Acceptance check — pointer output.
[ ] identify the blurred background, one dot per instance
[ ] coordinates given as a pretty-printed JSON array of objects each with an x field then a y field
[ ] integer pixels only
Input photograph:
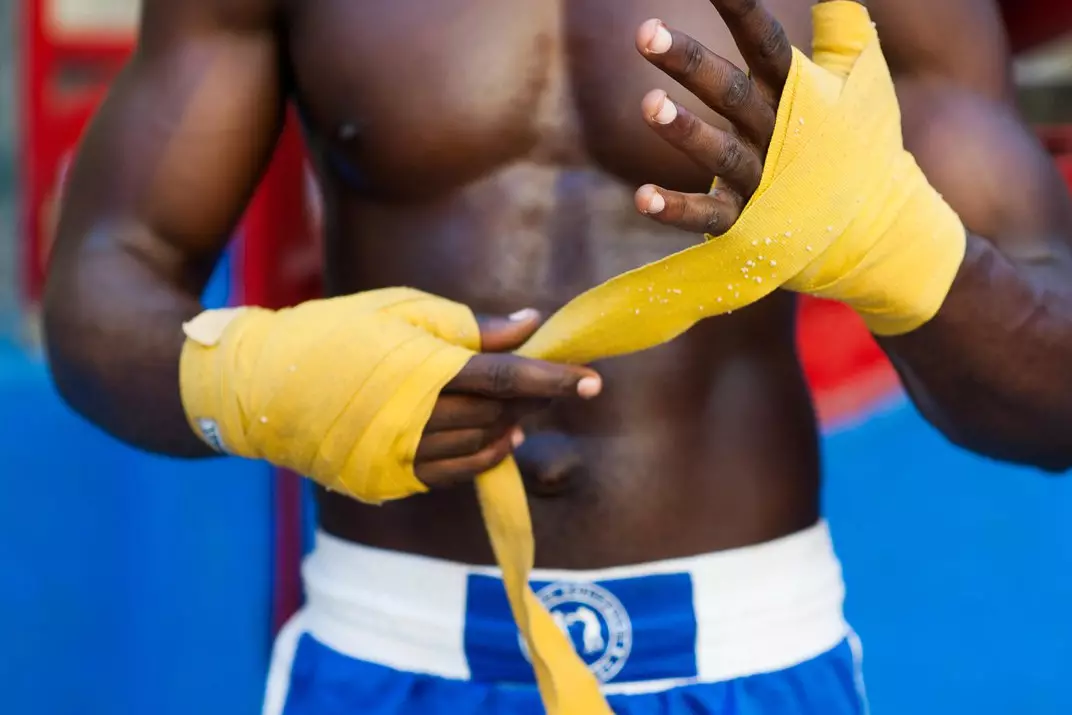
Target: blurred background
[{"x": 132, "y": 585}]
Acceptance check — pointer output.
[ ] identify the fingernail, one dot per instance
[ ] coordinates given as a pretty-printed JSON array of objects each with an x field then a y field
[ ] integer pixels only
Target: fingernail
[
  {"x": 589, "y": 387},
  {"x": 661, "y": 41},
  {"x": 656, "y": 203},
  {"x": 525, "y": 314},
  {"x": 517, "y": 438},
  {"x": 667, "y": 111}
]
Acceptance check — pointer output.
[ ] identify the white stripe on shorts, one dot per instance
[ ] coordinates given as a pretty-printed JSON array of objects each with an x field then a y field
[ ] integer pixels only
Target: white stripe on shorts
[{"x": 758, "y": 609}]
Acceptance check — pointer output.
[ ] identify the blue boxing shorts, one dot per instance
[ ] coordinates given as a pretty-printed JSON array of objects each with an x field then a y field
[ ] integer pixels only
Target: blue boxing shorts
[{"x": 751, "y": 631}]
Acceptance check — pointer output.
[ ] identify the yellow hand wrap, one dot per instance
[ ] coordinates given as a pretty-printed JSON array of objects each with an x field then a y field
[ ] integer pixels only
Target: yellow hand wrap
[
  {"x": 339, "y": 390},
  {"x": 843, "y": 212}
]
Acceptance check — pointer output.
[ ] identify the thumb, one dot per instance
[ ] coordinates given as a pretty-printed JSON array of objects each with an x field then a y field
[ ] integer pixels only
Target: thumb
[
  {"x": 843, "y": 28},
  {"x": 501, "y": 334}
]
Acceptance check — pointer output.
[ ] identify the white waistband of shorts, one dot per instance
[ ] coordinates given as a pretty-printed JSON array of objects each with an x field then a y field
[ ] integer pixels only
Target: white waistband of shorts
[{"x": 758, "y": 609}]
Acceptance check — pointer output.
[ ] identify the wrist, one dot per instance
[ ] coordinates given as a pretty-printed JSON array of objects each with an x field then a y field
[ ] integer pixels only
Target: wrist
[
  {"x": 918, "y": 260},
  {"x": 897, "y": 258},
  {"x": 213, "y": 357}
]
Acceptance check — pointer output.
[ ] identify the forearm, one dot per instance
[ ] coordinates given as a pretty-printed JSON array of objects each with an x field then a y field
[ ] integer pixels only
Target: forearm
[
  {"x": 993, "y": 369},
  {"x": 113, "y": 336}
]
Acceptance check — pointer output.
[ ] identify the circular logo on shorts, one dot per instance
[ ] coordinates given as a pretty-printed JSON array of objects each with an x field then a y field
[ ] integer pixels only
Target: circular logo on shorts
[{"x": 594, "y": 620}]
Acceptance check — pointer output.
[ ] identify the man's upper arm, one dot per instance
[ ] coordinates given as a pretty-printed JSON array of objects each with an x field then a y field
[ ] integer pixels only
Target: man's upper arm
[
  {"x": 951, "y": 66},
  {"x": 179, "y": 145},
  {"x": 959, "y": 41}
]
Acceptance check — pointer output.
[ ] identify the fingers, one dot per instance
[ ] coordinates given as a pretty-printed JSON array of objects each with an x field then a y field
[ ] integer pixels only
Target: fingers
[
  {"x": 455, "y": 412},
  {"x": 467, "y": 435},
  {"x": 711, "y": 213},
  {"x": 473, "y": 426},
  {"x": 511, "y": 377},
  {"x": 449, "y": 472},
  {"x": 842, "y": 31},
  {"x": 718, "y": 151},
  {"x": 715, "y": 81},
  {"x": 436, "y": 446},
  {"x": 737, "y": 162},
  {"x": 760, "y": 38},
  {"x": 499, "y": 334}
]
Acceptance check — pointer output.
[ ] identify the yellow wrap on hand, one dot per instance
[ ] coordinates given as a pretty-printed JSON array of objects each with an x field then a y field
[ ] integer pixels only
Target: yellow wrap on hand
[
  {"x": 842, "y": 211},
  {"x": 338, "y": 390}
]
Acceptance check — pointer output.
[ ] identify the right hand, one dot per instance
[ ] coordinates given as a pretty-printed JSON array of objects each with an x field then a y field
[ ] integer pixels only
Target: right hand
[{"x": 474, "y": 425}]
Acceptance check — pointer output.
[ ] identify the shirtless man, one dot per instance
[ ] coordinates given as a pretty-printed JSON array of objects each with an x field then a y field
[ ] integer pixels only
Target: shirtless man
[{"x": 492, "y": 158}]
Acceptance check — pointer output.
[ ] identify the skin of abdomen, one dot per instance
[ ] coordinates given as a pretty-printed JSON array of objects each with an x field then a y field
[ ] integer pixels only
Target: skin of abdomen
[{"x": 490, "y": 154}]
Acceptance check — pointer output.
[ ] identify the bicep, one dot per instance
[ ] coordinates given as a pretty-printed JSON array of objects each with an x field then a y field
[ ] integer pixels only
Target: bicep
[
  {"x": 962, "y": 41},
  {"x": 178, "y": 146},
  {"x": 950, "y": 62}
]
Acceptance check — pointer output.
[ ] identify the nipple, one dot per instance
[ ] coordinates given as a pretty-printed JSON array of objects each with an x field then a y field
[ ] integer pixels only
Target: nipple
[{"x": 551, "y": 463}]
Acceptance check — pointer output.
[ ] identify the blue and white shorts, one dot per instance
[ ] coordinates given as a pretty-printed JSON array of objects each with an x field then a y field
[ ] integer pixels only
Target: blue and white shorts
[{"x": 752, "y": 631}]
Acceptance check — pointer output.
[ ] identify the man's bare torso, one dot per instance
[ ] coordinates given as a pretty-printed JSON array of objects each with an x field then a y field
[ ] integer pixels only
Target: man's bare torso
[{"x": 488, "y": 152}]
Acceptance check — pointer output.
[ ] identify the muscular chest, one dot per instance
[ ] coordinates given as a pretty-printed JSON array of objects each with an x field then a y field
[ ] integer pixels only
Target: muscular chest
[{"x": 448, "y": 90}]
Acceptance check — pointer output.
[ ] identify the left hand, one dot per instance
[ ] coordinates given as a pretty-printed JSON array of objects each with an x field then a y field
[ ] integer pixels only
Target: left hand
[{"x": 749, "y": 103}]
